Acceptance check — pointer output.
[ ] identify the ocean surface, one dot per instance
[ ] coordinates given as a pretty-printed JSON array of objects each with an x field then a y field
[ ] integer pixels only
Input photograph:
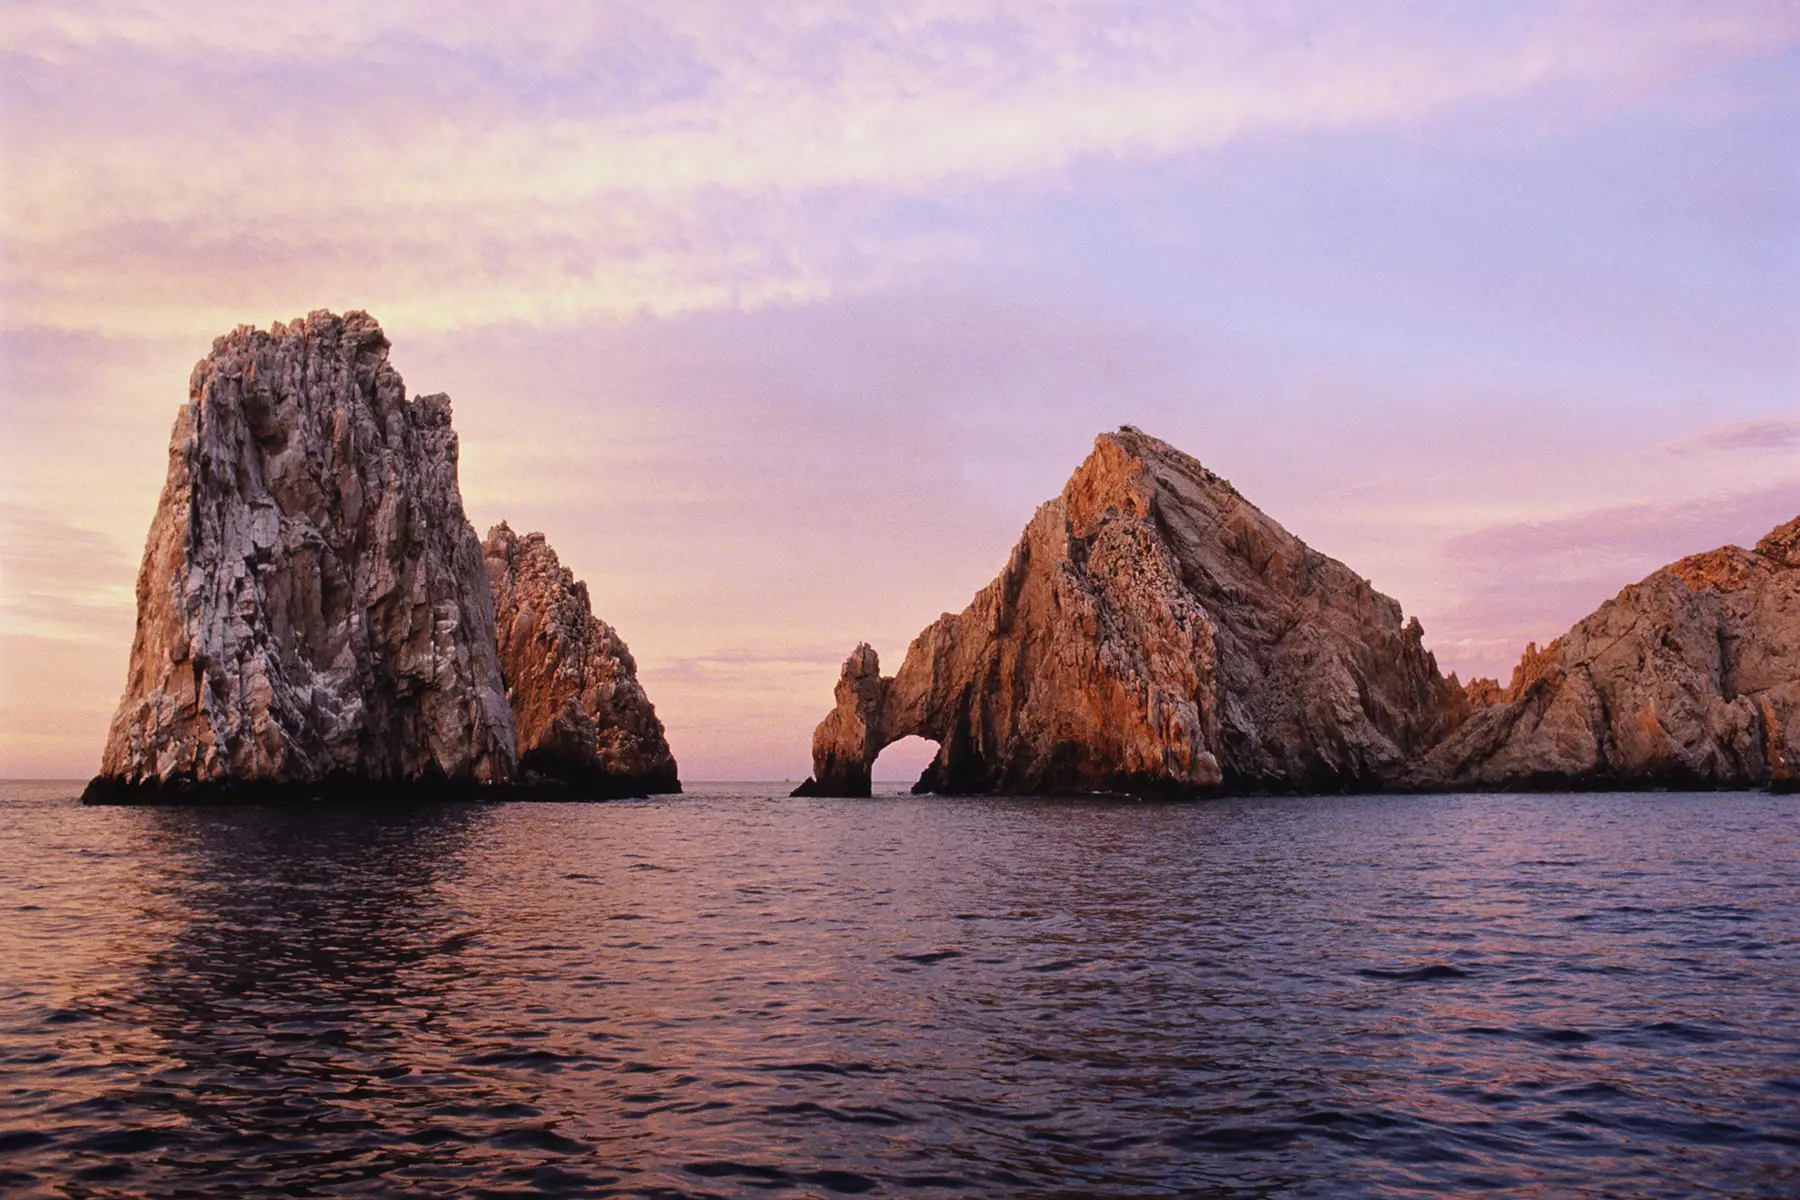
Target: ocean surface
[{"x": 734, "y": 993}]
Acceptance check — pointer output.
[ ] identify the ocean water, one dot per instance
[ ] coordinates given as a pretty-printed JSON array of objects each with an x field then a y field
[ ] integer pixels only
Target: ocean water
[{"x": 734, "y": 993}]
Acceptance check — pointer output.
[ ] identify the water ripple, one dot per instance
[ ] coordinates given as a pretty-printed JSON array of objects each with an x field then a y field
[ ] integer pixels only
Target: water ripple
[{"x": 735, "y": 993}]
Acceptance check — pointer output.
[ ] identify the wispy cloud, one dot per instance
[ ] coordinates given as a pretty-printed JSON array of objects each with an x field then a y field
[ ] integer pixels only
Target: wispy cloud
[
  {"x": 184, "y": 164},
  {"x": 60, "y": 581},
  {"x": 1766, "y": 435},
  {"x": 1650, "y": 533},
  {"x": 1531, "y": 580}
]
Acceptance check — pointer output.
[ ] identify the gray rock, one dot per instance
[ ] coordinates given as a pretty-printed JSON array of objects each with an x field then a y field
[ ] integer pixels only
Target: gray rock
[{"x": 313, "y": 607}]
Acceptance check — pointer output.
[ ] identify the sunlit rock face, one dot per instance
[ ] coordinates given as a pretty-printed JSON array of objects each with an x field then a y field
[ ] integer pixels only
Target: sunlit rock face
[
  {"x": 581, "y": 717},
  {"x": 1690, "y": 678},
  {"x": 1153, "y": 633},
  {"x": 313, "y": 607}
]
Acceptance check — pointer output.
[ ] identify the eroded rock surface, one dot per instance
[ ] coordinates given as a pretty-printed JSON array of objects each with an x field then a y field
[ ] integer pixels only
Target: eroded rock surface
[
  {"x": 580, "y": 714},
  {"x": 1152, "y": 633},
  {"x": 1690, "y": 678},
  {"x": 313, "y": 608}
]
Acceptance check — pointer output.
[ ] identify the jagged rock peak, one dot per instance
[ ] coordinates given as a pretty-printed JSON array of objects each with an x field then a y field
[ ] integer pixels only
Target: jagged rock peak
[
  {"x": 1154, "y": 633},
  {"x": 580, "y": 714},
  {"x": 312, "y": 604},
  {"x": 1688, "y": 678},
  {"x": 851, "y": 736},
  {"x": 1781, "y": 545}
]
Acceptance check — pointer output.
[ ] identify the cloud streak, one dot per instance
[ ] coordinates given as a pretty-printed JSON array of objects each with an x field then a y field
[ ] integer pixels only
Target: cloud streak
[
  {"x": 1652, "y": 534},
  {"x": 1767, "y": 435},
  {"x": 60, "y": 581},
  {"x": 1531, "y": 580},
  {"x": 66, "y": 608},
  {"x": 465, "y": 165}
]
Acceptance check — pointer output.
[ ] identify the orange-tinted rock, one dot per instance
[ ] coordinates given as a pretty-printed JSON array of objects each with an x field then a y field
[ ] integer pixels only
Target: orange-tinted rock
[
  {"x": 313, "y": 610},
  {"x": 1152, "y": 633},
  {"x": 581, "y": 717},
  {"x": 1482, "y": 692},
  {"x": 1689, "y": 678}
]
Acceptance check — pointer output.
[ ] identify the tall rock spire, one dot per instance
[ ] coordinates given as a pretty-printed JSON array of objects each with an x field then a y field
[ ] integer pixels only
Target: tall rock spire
[{"x": 313, "y": 606}]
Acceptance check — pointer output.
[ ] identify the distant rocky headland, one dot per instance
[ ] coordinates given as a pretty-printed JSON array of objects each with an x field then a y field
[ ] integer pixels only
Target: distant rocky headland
[
  {"x": 1687, "y": 679},
  {"x": 316, "y": 617},
  {"x": 1155, "y": 634}
]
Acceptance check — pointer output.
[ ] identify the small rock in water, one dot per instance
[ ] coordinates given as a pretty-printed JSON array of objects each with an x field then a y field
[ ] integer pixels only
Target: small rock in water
[{"x": 581, "y": 716}]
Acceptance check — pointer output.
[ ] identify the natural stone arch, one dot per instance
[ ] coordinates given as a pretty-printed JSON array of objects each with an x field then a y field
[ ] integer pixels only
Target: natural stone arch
[
  {"x": 904, "y": 760},
  {"x": 1152, "y": 633}
]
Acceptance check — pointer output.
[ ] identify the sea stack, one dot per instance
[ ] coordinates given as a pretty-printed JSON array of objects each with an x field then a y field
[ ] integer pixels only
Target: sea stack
[
  {"x": 1153, "y": 633},
  {"x": 314, "y": 615},
  {"x": 1687, "y": 679},
  {"x": 581, "y": 717}
]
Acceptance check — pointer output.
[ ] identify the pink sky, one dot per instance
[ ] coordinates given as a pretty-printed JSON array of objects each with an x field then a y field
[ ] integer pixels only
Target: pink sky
[{"x": 779, "y": 323}]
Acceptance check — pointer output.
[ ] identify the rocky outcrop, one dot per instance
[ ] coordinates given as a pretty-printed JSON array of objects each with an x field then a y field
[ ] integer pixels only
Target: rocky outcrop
[
  {"x": 1690, "y": 678},
  {"x": 580, "y": 715},
  {"x": 1484, "y": 692},
  {"x": 313, "y": 608},
  {"x": 1152, "y": 633}
]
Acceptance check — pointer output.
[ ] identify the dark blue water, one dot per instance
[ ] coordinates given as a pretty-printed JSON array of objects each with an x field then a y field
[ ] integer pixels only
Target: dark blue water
[{"x": 735, "y": 993}]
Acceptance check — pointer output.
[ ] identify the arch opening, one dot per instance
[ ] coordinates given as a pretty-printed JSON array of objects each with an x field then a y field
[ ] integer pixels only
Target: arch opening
[{"x": 901, "y": 763}]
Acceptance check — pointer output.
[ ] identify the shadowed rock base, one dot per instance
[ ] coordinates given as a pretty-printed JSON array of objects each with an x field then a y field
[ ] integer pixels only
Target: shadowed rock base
[
  {"x": 1550, "y": 783},
  {"x": 850, "y": 789},
  {"x": 544, "y": 778},
  {"x": 348, "y": 789}
]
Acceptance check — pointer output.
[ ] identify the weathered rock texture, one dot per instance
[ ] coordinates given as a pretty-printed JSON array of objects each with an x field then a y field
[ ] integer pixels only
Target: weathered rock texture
[
  {"x": 580, "y": 715},
  {"x": 1153, "y": 633},
  {"x": 313, "y": 608},
  {"x": 1690, "y": 678}
]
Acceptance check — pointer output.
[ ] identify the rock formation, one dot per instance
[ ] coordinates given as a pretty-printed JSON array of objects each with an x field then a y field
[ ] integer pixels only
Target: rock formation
[
  {"x": 1152, "y": 633},
  {"x": 313, "y": 609},
  {"x": 580, "y": 715},
  {"x": 1690, "y": 678}
]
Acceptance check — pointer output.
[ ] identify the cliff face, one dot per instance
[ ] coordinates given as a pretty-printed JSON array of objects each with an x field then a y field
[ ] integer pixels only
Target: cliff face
[
  {"x": 313, "y": 604},
  {"x": 1690, "y": 678},
  {"x": 1152, "y": 633},
  {"x": 580, "y": 715}
]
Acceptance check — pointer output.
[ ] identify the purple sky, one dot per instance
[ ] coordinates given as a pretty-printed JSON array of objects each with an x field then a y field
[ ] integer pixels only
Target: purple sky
[{"x": 779, "y": 322}]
